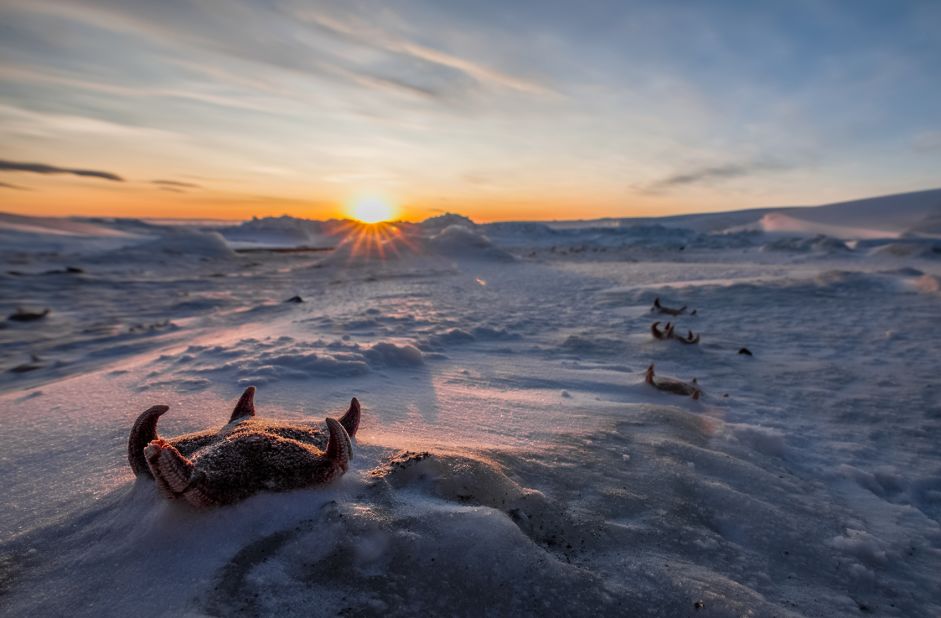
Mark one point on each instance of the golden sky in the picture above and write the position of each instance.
(526, 110)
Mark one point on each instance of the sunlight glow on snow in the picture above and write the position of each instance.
(369, 241)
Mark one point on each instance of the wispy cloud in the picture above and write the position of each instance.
(42, 168)
(6, 185)
(36, 123)
(383, 41)
(368, 56)
(176, 184)
(714, 173)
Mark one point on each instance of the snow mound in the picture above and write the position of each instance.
(433, 225)
(794, 224)
(284, 231)
(885, 216)
(391, 355)
(914, 249)
(816, 244)
(173, 243)
(458, 241)
(264, 361)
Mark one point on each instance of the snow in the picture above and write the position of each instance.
(511, 460)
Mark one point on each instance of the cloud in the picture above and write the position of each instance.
(366, 56)
(33, 123)
(394, 84)
(384, 41)
(6, 185)
(42, 168)
(175, 184)
(714, 173)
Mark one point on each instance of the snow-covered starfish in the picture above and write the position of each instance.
(673, 386)
(243, 457)
(667, 310)
(668, 333)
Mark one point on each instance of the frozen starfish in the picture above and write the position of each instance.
(243, 457)
(667, 310)
(668, 333)
(673, 386)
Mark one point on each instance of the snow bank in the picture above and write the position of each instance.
(793, 223)
(458, 241)
(174, 243)
(272, 359)
(908, 250)
(816, 244)
(284, 231)
(434, 225)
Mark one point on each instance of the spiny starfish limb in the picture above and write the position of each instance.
(143, 432)
(339, 448)
(350, 420)
(245, 406)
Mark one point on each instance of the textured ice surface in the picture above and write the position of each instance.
(542, 476)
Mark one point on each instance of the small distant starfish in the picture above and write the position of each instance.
(243, 457)
(673, 386)
(667, 310)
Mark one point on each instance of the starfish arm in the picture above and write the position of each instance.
(176, 476)
(339, 448)
(171, 470)
(350, 420)
(245, 406)
(143, 432)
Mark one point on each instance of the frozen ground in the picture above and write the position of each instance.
(806, 482)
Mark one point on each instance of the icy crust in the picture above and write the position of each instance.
(806, 481)
(911, 249)
(253, 361)
(820, 244)
(174, 243)
(271, 359)
(284, 231)
(659, 513)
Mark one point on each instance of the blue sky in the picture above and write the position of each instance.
(500, 110)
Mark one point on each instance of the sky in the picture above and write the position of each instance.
(497, 110)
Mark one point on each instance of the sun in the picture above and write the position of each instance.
(371, 209)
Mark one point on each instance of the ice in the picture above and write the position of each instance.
(176, 243)
(461, 241)
(283, 231)
(511, 459)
